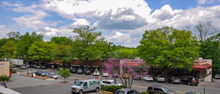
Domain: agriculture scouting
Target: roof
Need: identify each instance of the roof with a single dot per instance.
(108, 80)
(125, 89)
(202, 67)
(89, 80)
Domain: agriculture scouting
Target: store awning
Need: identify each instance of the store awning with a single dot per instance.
(203, 67)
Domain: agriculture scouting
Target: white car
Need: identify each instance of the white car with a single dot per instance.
(105, 74)
(110, 83)
(52, 75)
(217, 76)
(148, 78)
(96, 73)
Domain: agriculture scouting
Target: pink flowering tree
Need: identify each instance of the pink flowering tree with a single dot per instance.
(126, 72)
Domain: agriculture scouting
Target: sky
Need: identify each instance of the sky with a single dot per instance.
(121, 21)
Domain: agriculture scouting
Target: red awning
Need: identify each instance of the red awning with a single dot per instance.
(202, 67)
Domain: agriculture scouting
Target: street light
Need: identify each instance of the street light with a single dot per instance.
(5, 59)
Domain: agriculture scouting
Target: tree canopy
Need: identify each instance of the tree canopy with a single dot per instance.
(59, 40)
(169, 47)
(88, 45)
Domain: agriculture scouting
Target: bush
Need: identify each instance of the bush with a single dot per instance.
(112, 88)
(4, 78)
(13, 71)
(144, 92)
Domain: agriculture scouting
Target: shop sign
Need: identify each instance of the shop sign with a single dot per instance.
(2, 64)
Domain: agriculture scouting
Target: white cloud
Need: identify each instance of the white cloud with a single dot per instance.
(3, 31)
(204, 1)
(81, 22)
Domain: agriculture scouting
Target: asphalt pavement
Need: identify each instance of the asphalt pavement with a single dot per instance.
(137, 85)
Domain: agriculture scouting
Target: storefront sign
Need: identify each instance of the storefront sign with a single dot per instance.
(2, 64)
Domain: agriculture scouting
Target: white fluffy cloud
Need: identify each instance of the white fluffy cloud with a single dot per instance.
(204, 1)
(3, 31)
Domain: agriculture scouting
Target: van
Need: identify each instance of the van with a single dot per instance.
(85, 86)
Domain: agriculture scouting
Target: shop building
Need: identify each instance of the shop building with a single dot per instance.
(5, 68)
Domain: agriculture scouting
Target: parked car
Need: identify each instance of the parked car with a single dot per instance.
(136, 77)
(105, 74)
(115, 75)
(60, 68)
(148, 78)
(87, 72)
(43, 67)
(22, 67)
(127, 91)
(38, 67)
(3, 84)
(73, 69)
(193, 93)
(159, 89)
(110, 83)
(160, 78)
(174, 80)
(217, 76)
(40, 73)
(96, 72)
(52, 75)
(34, 66)
(190, 81)
(79, 71)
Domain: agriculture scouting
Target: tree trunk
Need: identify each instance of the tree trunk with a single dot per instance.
(131, 82)
(125, 83)
(87, 63)
(122, 82)
(64, 79)
(166, 74)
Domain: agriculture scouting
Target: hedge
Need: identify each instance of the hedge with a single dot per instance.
(13, 71)
(4, 78)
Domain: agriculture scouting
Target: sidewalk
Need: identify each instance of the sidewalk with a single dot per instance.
(19, 81)
(38, 77)
(215, 83)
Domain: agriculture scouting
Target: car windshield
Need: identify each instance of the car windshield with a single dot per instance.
(149, 76)
(166, 89)
(217, 74)
(161, 76)
(42, 72)
(54, 74)
(79, 83)
(120, 92)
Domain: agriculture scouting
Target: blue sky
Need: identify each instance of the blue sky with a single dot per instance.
(122, 23)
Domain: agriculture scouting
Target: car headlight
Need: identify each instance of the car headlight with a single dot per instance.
(77, 89)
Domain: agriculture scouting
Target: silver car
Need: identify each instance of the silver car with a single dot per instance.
(160, 78)
(52, 75)
(217, 76)
(148, 78)
(127, 91)
(174, 80)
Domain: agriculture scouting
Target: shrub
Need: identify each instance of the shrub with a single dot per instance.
(144, 92)
(13, 71)
(4, 78)
(112, 88)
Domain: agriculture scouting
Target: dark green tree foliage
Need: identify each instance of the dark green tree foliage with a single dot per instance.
(59, 40)
(209, 49)
(65, 73)
(8, 49)
(169, 47)
(25, 42)
(88, 45)
(41, 50)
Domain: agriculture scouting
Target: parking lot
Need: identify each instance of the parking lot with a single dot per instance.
(137, 85)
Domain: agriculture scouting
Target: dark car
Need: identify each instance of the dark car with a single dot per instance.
(87, 72)
(193, 93)
(3, 84)
(136, 77)
(174, 80)
(190, 81)
(159, 89)
(22, 67)
(115, 75)
(127, 91)
(40, 73)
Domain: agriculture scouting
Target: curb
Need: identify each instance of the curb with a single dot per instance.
(32, 86)
(36, 77)
(108, 92)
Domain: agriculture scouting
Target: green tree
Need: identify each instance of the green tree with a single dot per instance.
(129, 53)
(41, 50)
(59, 40)
(14, 36)
(169, 47)
(60, 52)
(65, 73)
(88, 45)
(209, 49)
(25, 42)
(8, 49)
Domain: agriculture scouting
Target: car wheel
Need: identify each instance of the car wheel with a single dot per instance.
(196, 84)
(80, 92)
(189, 84)
(151, 93)
(97, 89)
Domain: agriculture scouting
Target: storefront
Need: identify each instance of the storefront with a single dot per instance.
(5, 68)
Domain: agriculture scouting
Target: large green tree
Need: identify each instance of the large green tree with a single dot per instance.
(59, 40)
(210, 49)
(88, 45)
(129, 53)
(41, 50)
(25, 42)
(169, 47)
(7, 50)
(60, 52)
